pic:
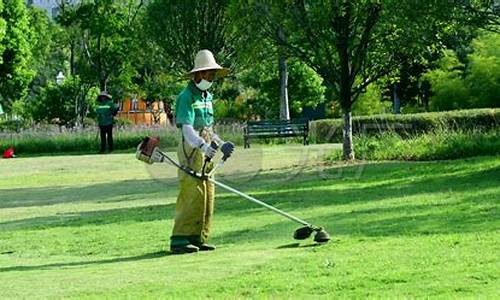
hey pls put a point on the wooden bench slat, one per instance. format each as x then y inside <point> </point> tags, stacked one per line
<point>275,136</point>
<point>277,132</point>
<point>276,128</point>
<point>274,125</point>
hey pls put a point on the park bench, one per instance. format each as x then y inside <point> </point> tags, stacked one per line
<point>276,129</point>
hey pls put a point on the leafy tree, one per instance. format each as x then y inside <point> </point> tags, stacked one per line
<point>253,46</point>
<point>231,101</point>
<point>48,57</point>
<point>476,84</point>
<point>162,86</point>
<point>2,31</point>
<point>483,13</point>
<point>305,89</point>
<point>369,103</point>
<point>447,84</point>
<point>452,28</point>
<point>59,103</point>
<point>181,28</point>
<point>350,44</point>
<point>153,79</point>
<point>106,30</point>
<point>483,76</point>
<point>40,34</point>
<point>174,31</point>
<point>330,36</point>
<point>15,70</point>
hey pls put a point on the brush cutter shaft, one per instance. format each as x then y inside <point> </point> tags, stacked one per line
<point>226,187</point>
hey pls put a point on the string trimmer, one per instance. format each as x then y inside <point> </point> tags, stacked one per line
<point>149,152</point>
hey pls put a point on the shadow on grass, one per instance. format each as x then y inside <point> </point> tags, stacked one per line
<point>101,217</point>
<point>298,245</point>
<point>452,215</point>
<point>455,213</point>
<point>85,263</point>
<point>126,190</point>
<point>301,195</point>
<point>406,220</point>
<point>337,174</point>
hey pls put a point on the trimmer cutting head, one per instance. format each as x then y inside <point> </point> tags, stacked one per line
<point>321,236</point>
<point>305,232</point>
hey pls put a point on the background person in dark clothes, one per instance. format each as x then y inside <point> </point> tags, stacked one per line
<point>106,110</point>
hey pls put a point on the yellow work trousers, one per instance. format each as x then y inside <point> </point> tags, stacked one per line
<point>195,203</point>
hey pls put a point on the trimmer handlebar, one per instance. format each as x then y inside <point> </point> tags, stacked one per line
<point>213,145</point>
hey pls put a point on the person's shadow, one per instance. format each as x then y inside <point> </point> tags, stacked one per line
<point>298,245</point>
<point>93,262</point>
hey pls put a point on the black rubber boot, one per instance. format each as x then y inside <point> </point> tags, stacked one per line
<point>205,247</point>
<point>182,249</point>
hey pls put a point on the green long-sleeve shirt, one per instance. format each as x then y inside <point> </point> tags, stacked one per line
<point>194,108</point>
<point>105,112</point>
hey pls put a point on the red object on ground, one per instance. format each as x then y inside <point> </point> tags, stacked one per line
<point>9,153</point>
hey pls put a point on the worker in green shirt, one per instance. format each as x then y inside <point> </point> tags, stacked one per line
<point>194,116</point>
<point>106,110</point>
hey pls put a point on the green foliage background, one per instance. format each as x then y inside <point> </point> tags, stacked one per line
<point>15,51</point>
<point>443,60</point>
<point>471,84</point>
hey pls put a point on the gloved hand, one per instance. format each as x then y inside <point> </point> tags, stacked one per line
<point>208,150</point>
<point>156,156</point>
<point>227,149</point>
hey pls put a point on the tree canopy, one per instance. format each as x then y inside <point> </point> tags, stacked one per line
<point>15,49</point>
<point>181,28</point>
<point>286,56</point>
<point>352,44</point>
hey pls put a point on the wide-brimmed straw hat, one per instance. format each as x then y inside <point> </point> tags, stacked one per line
<point>205,60</point>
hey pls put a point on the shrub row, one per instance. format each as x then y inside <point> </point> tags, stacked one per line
<point>330,130</point>
<point>88,142</point>
<point>436,145</point>
<point>74,142</point>
<point>11,125</point>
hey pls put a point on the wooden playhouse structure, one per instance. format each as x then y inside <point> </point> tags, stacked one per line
<point>140,112</point>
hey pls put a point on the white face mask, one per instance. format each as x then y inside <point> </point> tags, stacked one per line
<point>204,85</point>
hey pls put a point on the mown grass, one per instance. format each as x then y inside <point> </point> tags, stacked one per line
<point>98,227</point>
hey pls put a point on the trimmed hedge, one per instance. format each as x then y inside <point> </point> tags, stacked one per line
<point>435,145</point>
<point>330,130</point>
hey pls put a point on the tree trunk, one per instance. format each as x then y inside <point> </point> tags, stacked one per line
<point>72,59</point>
<point>283,69</point>
<point>348,148</point>
<point>284,108</point>
<point>103,84</point>
<point>77,112</point>
<point>342,25</point>
<point>100,67</point>
<point>397,101</point>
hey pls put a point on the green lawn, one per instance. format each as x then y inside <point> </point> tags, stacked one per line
<point>98,227</point>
